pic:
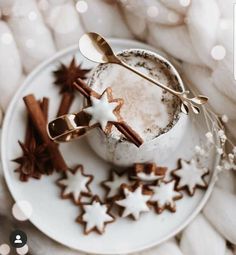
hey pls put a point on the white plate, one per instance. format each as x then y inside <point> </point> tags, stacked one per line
<point>56,217</point>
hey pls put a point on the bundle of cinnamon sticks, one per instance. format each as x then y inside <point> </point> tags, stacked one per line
<point>40,154</point>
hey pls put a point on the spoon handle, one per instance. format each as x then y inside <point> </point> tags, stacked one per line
<point>157,83</point>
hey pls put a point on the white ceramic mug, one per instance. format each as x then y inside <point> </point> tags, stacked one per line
<point>121,152</point>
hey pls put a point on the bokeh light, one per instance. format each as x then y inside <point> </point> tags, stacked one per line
<point>152,11</point>
<point>6,38</point>
<point>4,249</point>
<point>23,250</point>
<point>218,52</point>
<point>81,6</point>
<point>22,210</point>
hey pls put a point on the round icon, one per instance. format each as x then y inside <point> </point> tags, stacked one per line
<point>18,239</point>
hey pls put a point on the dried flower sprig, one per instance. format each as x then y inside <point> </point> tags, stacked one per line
<point>216,139</point>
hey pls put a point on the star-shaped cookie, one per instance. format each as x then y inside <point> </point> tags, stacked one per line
<point>135,202</point>
<point>190,176</point>
<point>148,172</point>
<point>75,183</point>
<point>114,183</point>
<point>164,196</point>
<point>95,216</point>
<point>104,110</point>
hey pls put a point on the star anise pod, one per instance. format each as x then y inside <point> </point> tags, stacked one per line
<point>34,162</point>
<point>65,76</point>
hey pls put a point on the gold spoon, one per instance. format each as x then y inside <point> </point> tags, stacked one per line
<point>95,48</point>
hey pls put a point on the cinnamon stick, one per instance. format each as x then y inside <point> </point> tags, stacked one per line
<point>66,102</point>
<point>48,164</point>
<point>30,140</point>
<point>123,127</point>
<point>40,124</point>
<point>44,105</point>
<point>129,133</point>
<point>85,90</point>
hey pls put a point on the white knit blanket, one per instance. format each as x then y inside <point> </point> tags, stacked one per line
<point>198,33</point>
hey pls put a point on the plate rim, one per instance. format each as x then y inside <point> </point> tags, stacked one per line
<point>6,121</point>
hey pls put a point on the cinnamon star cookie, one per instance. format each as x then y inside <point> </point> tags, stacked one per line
<point>95,216</point>
<point>75,183</point>
<point>164,196</point>
<point>113,184</point>
<point>147,172</point>
<point>135,201</point>
<point>104,110</point>
<point>190,176</point>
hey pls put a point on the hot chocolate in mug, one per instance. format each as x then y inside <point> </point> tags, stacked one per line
<point>149,110</point>
<point>152,112</point>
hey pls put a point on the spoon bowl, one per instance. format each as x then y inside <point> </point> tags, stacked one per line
<point>95,48</point>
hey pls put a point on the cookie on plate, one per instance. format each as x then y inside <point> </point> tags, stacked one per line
<point>164,196</point>
<point>147,172</point>
<point>95,216</point>
<point>134,202</point>
<point>113,184</point>
<point>75,184</point>
<point>190,176</point>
